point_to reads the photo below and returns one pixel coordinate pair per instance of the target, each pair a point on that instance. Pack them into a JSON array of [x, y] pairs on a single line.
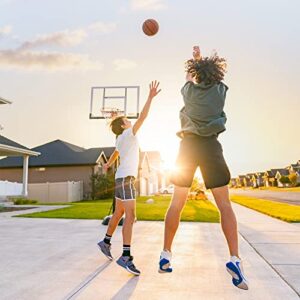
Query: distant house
[[248, 180], [270, 177], [257, 179], [59, 162], [150, 177], [233, 183], [280, 174], [240, 181], [295, 169]]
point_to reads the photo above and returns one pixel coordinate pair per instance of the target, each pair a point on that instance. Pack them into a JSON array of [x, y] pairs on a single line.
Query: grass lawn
[[195, 210], [282, 211]]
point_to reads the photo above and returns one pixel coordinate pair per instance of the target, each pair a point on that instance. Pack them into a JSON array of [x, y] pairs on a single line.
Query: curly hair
[[116, 125], [209, 70]]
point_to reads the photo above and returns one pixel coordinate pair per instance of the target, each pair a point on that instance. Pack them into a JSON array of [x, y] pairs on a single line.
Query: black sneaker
[[126, 263], [105, 248]]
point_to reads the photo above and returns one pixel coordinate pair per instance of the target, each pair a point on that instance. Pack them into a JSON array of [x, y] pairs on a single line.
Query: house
[[280, 174], [270, 177], [248, 180], [240, 181], [13, 150], [233, 182], [295, 169], [257, 179], [59, 162], [150, 175]]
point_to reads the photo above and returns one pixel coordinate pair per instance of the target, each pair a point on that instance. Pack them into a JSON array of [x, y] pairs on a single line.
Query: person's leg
[[228, 219], [126, 259], [129, 207], [116, 217], [105, 245], [229, 226], [173, 215]]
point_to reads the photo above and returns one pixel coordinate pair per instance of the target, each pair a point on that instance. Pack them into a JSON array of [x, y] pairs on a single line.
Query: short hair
[[116, 125], [209, 70]]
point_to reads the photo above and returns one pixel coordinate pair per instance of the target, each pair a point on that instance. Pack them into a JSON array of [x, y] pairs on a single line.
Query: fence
[[56, 191], [10, 189]]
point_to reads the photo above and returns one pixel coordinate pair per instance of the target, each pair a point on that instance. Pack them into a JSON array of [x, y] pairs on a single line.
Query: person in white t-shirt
[[127, 149]]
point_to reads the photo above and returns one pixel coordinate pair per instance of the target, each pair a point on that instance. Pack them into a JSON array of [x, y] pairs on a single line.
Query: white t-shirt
[[128, 146]]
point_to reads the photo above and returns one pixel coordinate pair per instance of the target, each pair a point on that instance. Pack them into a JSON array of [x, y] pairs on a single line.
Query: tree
[[284, 179], [102, 186], [293, 179]]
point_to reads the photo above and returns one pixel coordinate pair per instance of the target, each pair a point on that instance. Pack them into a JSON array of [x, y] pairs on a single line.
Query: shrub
[[293, 179], [102, 186], [284, 179], [23, 201]]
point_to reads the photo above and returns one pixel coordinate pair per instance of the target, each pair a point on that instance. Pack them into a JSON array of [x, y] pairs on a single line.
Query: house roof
[[8, 142], [283, 172], [58, 153], [272, 172], [4, 101], [11, 148]]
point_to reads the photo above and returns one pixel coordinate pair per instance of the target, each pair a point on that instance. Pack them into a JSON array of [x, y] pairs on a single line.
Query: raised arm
[[196, 56], [111, 160], [144, 113]]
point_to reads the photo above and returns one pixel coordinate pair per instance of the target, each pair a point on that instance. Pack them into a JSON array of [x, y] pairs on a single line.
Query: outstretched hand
[[196, 53], [153, 86]]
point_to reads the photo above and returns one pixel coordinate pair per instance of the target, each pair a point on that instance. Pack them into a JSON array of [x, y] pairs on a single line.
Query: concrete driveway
[[284, 197], [58, 259]]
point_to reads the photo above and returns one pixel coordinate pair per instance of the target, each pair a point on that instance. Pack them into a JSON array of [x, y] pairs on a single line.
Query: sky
[[53, 52]]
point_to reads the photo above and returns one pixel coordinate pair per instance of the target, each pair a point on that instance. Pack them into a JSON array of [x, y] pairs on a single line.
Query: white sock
[[234, 258], [166, 254]]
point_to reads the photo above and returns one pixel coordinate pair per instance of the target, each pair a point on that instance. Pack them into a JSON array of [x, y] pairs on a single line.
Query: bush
[[284, 179], [293, 179], [23, 201], [102, 186]]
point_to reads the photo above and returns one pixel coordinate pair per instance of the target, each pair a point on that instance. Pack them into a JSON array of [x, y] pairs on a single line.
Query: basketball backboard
[[122, 99]]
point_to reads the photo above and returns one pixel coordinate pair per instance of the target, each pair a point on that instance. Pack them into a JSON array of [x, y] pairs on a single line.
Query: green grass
[[195, 210], [282, 211], [277, 189]]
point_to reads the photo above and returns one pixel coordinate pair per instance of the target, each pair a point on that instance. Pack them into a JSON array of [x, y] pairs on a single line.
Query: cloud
[[63, 38], [101, 27], [27, 57], [6, 30], [124, 64], [147, 4], [28, 60]]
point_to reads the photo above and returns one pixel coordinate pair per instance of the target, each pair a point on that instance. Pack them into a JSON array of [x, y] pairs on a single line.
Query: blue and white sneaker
[[235, 269], [105, 249], [126, 263], [165, 262]]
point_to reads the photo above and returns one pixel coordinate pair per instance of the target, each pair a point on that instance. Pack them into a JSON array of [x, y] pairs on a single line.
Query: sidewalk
[[58, 259], [276, 241]]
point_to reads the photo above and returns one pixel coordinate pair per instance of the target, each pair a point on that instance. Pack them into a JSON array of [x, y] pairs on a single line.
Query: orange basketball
[[150, 27]]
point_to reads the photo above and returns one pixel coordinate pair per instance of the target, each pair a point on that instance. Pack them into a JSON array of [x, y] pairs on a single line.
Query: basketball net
[[110, 113]]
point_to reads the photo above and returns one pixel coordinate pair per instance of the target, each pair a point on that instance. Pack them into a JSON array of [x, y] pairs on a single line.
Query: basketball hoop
[[109, 113]]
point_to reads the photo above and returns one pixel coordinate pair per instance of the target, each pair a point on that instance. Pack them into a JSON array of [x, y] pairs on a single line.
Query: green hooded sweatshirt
[[203, 113]]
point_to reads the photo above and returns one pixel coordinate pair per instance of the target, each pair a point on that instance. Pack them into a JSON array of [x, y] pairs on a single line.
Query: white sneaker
[[235, 269], [165, 262]]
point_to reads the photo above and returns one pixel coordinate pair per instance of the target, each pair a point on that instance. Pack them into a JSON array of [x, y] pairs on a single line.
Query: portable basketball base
[[106, 99]]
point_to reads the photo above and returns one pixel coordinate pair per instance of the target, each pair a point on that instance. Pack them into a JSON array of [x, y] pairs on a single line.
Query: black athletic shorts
[[125, 189], [204, 152]]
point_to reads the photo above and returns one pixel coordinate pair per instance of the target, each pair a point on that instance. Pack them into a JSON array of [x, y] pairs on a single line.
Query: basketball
[[150, 27]]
